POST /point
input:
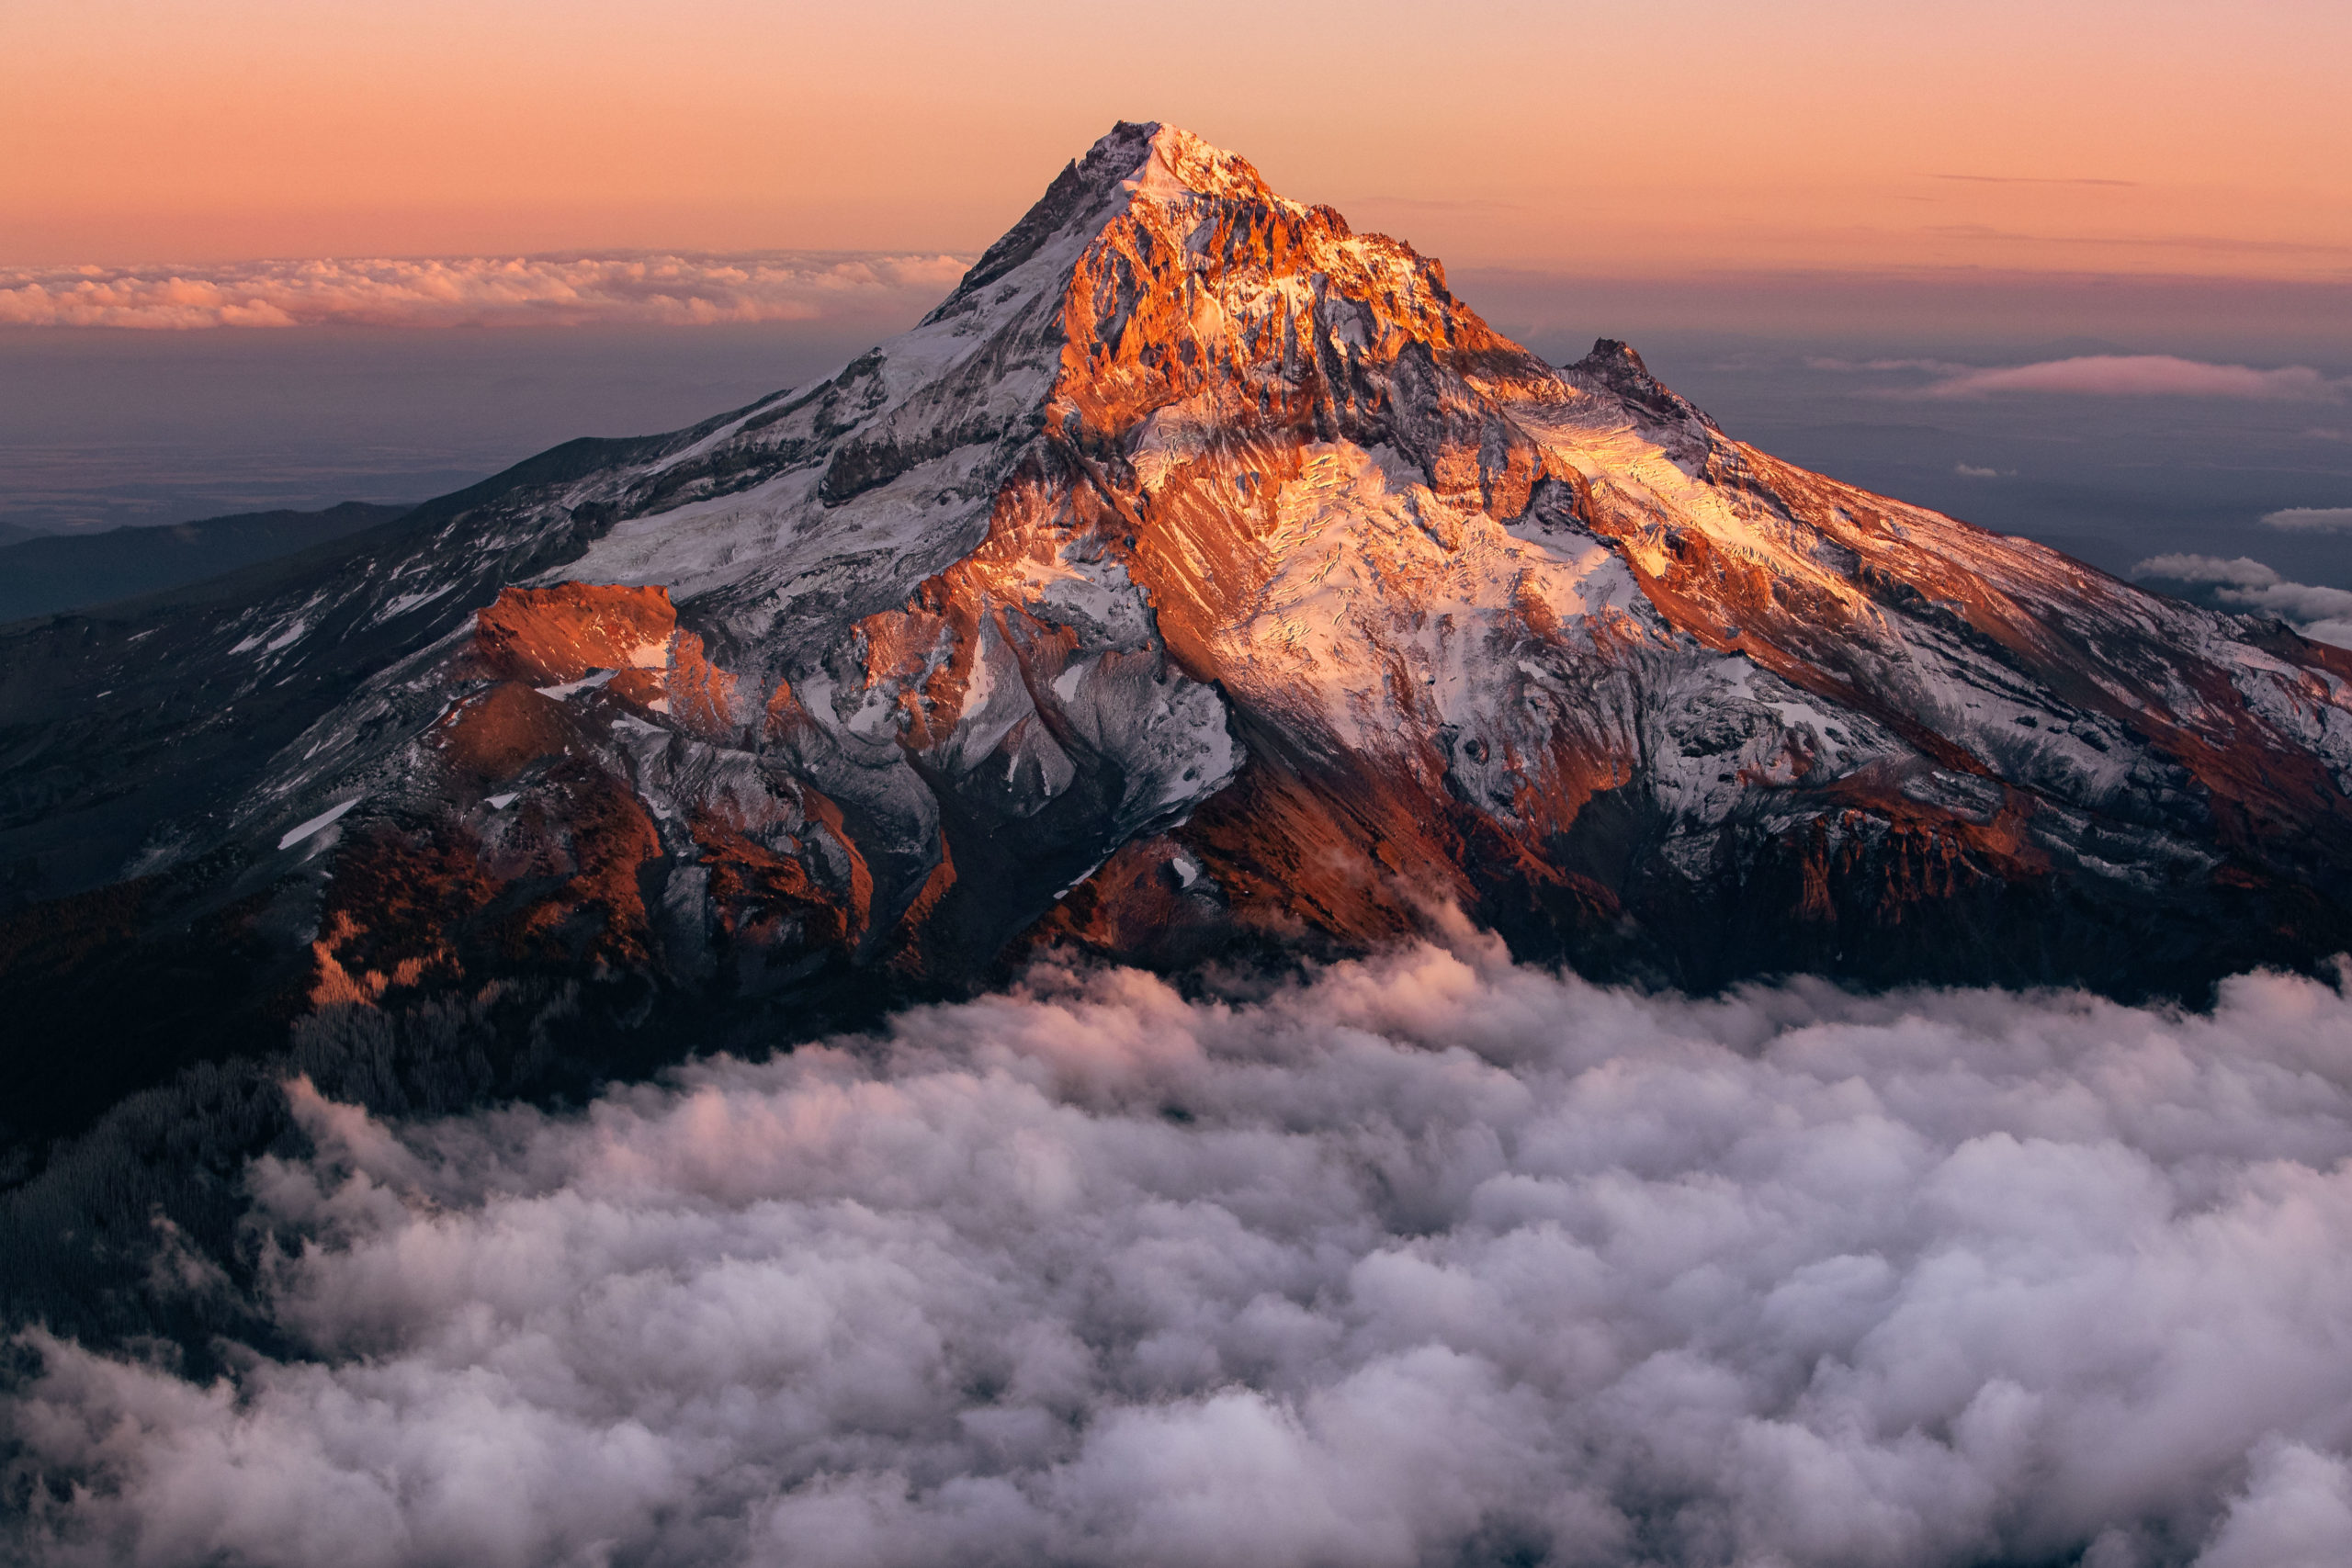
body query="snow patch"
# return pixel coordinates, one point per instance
(585, 684)
(326, 818)
(400, 604)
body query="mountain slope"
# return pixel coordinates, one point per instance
(41, 575)
(1202, 576)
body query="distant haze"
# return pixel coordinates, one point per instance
(2117, 420)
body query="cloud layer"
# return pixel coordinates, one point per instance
(2109, 376)
(2142, 376)
(1431, 1259)
(2323, 614)
(651, 289)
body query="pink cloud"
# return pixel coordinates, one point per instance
(654, 288)
(2140, 376)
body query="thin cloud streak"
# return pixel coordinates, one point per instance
(2104, 375)
(2034, 180)
(1855, 367)
(476, 291)
(2225, 243)
(2116, 376)
(1427, 1259)
(2310, 519)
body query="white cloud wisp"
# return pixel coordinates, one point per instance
(1428, 1260)
(2310, 519)
(2323, 614)
(633, 290)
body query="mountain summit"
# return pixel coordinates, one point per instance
(1201, 577)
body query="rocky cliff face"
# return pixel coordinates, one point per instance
(1202, 574)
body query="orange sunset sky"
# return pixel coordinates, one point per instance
(2062, 135)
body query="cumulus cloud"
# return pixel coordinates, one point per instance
(2137, 376)
(1971, 471)
(2310, 519)
(2323, 614)
(664, 290)
(2242, 571)
(1427, 1259)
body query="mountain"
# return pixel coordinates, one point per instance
(1201, 580)
(63, 572)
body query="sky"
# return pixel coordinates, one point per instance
(2078, 136)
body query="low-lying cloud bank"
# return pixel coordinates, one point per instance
(2140, 376)
(649, 290)
(1431, 1259)
(2107, 376)
(2242, 584)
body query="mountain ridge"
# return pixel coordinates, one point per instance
(43, 574)
(1200, 577)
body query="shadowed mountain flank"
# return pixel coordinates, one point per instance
(48, 574)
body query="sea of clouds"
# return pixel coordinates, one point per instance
(1430, 1258)
(650, 289)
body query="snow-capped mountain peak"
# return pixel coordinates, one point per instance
(1202, 575)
